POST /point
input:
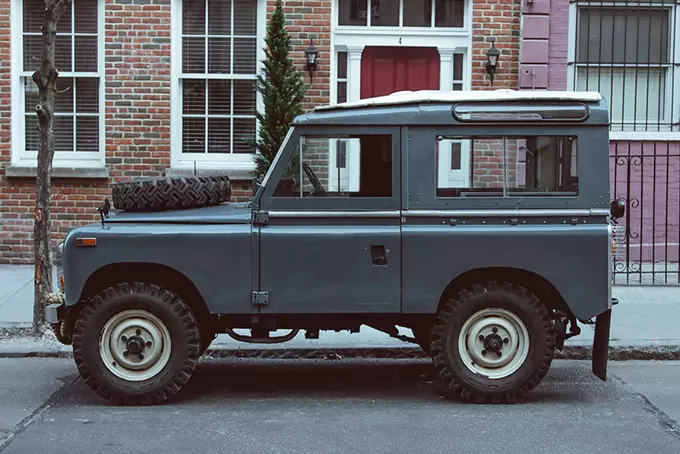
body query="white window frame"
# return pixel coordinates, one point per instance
(672, 90)
(20, 157)
(236, 165)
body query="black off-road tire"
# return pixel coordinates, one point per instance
(184, 340)
(171, 193)
(458, 381)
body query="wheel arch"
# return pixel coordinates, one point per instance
(544, 290)
(151, 273)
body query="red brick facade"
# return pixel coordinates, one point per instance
(499, 19)
(137, 105)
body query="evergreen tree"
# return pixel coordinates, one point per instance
(282, 88)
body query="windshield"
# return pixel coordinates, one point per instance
(277, 157)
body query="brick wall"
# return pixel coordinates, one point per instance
(499, 19)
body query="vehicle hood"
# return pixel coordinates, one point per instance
(226, 213)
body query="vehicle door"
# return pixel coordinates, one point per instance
(331, 248)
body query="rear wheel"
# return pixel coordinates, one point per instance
(492, 343)
(136, 343)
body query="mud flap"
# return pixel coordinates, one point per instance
(601, 344)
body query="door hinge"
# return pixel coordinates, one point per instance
(260, 218)
(260, 298)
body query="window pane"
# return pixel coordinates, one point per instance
(342, 65)
(458, 67)
(193, 135)
(63, 133)
(31, 95)
(418, 13)
(63, 100)
(219, 17)
(245, 18)
(65, 25)
(218, 135)
(618, 35)
(244, 97)
(87, 95)
(32, 52)
(449, 13)
(636, 97)
(32, 133)
(86, 53)
(87, 134)
(193, 55)
(244, 56)
(219, 53)
(385, 13)
(456, 163)
(193, 17)
(342, 92)
(352, 12)
(244, 130)
(307, 172)
(62, 53)
(33, 15)
(86, 16)
(219, 97)
(193, 96)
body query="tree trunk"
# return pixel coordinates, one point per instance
(46, 80)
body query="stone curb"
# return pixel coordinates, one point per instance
(623, 353)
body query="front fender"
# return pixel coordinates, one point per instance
(214, 257)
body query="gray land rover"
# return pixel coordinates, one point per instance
(481, 221)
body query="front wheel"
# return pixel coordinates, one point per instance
(492, 343)
(136, 343)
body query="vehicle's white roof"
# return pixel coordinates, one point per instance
(424, 96)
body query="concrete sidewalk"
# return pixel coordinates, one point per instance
(646, 323)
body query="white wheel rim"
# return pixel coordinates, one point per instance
(143, 336)
(478, 343)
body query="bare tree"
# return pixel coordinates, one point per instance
(46, 80)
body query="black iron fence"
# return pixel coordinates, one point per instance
(647, 175)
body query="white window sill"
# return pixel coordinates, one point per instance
(86, 173)
(644, 135)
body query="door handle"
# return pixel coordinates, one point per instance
(378, 255)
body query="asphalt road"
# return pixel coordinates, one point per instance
(386, 406)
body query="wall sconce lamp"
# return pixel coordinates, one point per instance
(492, 60)
(311, 54)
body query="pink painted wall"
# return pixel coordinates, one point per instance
(653, 171)
(559, 44)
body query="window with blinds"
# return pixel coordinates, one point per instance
(77, 103)
(218, 73)
(625, 51)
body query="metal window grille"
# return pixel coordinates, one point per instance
(626, 50)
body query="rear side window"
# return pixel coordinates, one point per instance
(509, 166)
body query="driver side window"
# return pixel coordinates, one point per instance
(350, 166)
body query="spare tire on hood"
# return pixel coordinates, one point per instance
(170, 193)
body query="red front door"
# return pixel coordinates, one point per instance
(385, 70)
